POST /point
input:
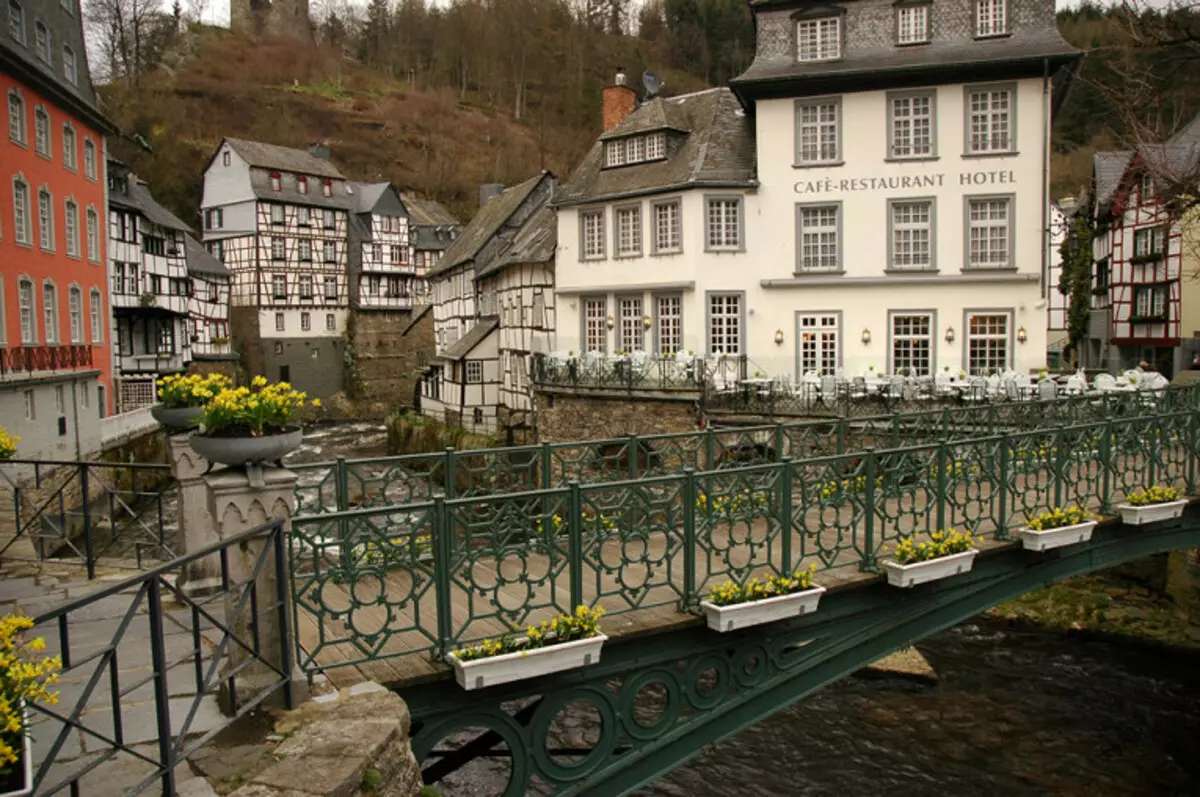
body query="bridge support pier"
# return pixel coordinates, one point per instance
(238, 502)
(197, 529)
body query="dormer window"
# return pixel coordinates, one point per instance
(276, 182)
(327, 188)
(41, 42)
(1146, 188)
(635, 149)
(819, 39)
(912, 24)
(991, 18)
(302, 184)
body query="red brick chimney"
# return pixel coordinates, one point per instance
(619, 101)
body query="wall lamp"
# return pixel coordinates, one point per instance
(1022, 335)
(610, 322)
(779, 337)
(647, 322)
(866, 335)
(949, 334)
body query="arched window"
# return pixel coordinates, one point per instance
(327, 187)
(71, 226)
(70, 147)
(75, 308)
(46, 219)
(41, 132)
(16, 118)
(21, 212)
(70, 69)
(50, 312)
(97, 326)
(28, 326)
(302, 184)
(89, 159)
(276, 182)
(93, 235)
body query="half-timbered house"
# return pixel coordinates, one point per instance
(493, 308)
(208, 305)
(431, 229)
(278, 218)
(382, 275)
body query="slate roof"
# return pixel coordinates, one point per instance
(1108, 168)
(283, 159)
(260, 183)
(426, 212)
(367, 195)
(487, 222)
(535, 242)
(475, 335)
(718, 151)
(201, 261)
(141, 200)
(417, 316)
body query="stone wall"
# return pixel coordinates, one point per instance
(391, 349)
(563, 416)
(243, 326)
(256, 18)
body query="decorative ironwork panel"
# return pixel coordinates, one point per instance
(829, 509)
(739, 525)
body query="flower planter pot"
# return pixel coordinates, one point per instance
(240, 450)
(1152, 513)
(480, 673)
(175, 418)
(22, 771)
(767, 610)
(919, 572)
(1033, 540)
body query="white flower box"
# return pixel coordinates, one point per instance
(767, 610)
(1151, 513)
(25, 765)
(1034, 540)
(507, 667)
(930, 570)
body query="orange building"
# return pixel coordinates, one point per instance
(55, 361)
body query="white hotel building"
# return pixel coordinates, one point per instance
(872, 191)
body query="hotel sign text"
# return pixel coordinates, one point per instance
(901, 183)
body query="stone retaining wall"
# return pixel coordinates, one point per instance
(564, 416)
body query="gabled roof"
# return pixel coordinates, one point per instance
(535, 242)
(139, 198)
(417, 316)
(283, 159)
(201, 261)
(367, 195)
(426, 212)
(717, 152)
(475, 335)
(1108, 168)
(487, 222)
(657, 114)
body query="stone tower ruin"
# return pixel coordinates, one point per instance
(256, 18)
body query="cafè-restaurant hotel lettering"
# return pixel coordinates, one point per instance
(902, 182)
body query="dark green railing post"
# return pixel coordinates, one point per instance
(442, 534)
(779, 456)
(1152, 452)
(1002, 468)
(341, 485)
(895, 431)
(1059, 452)
(451, 485)
(991, 420)
(1106, 465)
(710, 452)
(690, 599)
(868, 551)
(1191, 453)
(89, 551)
(632, 456)
(547, 466)
(945, 423)
(784, 485)
(943, 462)
(841, 436)
(575, 541)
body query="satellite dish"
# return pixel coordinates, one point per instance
(653, 85)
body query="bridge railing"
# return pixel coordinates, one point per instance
(432, 575)
(346, 484)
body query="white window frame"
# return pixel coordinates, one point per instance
(18, 131)
(819, 131)
(666, 218)
(16, 21)
(329, 252)
(905, 232)
(818, 243)
(631, 330)
(330, 322)
(22, 212)
(278, 213)
(912, 125)
(991, 119)
(50, 312)
(819, 39)
(668, 324)
(656, 146)
(723, 218)
(89, 158)
(71, 226)
(818, 342)
(70, 66)
(75, 313)
(306, 286)
(981, 231)
(46, 219)
(1151, 301)
(280, 323)
(331, 295)
(1149, 241)
(70, 143)
(473, 372)
(278, 248)
(594, 323)
(43, 141)
(725, 323)
(907, 330)
(627, 231)
(43, 42)
(96, 304)
(279, 287)
(992, 340)
(305, 322)
(991, 18)
(591, 234)
(912, 23)
(93, 235)
(27, 308)
(304, 250)
(614, 153)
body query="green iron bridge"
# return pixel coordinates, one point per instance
(396, 562)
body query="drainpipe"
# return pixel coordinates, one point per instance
(1046, 176)
(75, 420)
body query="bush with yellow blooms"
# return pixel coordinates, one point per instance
(8, 444)
(731, 592)
(1058, 518)
(25, 678)
(1158, 494)
(583, 623)
(256, 411)
(176, 391)
(940, 543)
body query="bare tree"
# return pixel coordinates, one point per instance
(127, 35)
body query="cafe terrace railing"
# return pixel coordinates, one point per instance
(123, 516)
(428, 576)
(143, 665)
(637, 372)
(345, 484)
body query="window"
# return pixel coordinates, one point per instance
(217, 250)
(331, 288)
(668, 327)
(16, 21)
(30, 406)
(279, 322)
(614, 153)
(912, 344)
(724, 323)
(70, 70)
(373, 283)
(278, 251)
(819, 342)
(991, 17)
(302, 184)
(328, 220)
(990, 233)
(376, 253)
(595, 324)
(631, 336)
(912, 24)
(277, 216)
(817, 132)
(41, 41)
(306, 287)
(89, 159)
(226, 159)
(50, 313)
(46, 220)
(330, 251)
(911, 126)
(820, 237)
(16, 118)
(629, 231)
(990, 127)
(71, 226)
(327, 189)
(279, 286)
(21, 213)
(474, 372)
(668, 238)
(912, 234)
(1146, 188)
(1148, 242)
(330, 322)
(1150, 302)
(305, 322)
(93, 239)
(303, 216)
(987, 343)
(94, 310)
(25, 298)
(276, 182)
(41, 132)
(70, 148)
(635, 149)
(396, 254)
(214, 219)
(75, 311)
(724, 223)
(656, 146)
(304, 250)
(819, 39)
(592, 231)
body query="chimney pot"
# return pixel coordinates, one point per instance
(620, 81)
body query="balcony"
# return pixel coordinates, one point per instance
(403, 301)
(636, 372)
(33, 359)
